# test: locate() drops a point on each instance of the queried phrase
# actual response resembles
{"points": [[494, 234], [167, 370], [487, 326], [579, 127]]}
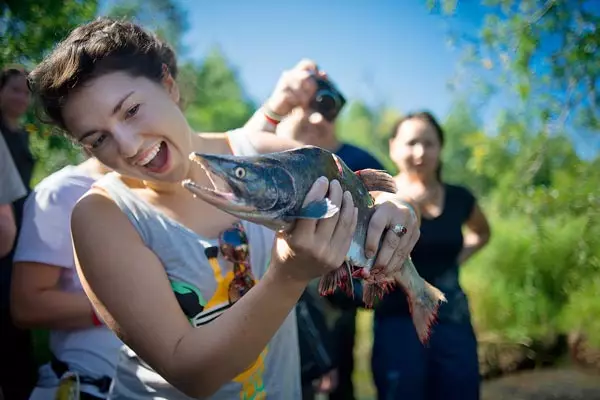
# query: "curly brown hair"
{"points": [[99, 47]]}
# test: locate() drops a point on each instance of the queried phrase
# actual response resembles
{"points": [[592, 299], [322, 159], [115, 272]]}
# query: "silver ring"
{"points": [[399, 229]]}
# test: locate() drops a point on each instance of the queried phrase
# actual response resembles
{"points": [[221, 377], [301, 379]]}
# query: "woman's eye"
{"points": [[132, 111], [98, 141]]}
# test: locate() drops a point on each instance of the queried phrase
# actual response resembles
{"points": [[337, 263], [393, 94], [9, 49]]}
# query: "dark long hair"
{"points": [[430, 119]]}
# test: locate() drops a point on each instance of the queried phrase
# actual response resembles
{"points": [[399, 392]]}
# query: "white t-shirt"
{"points": [[45, 237]]}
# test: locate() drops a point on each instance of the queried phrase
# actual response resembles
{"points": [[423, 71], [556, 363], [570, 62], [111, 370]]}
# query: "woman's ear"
{"points": [[170, 84]]}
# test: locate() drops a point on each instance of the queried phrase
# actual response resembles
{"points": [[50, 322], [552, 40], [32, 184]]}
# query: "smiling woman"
{"points": [[203, 302]]}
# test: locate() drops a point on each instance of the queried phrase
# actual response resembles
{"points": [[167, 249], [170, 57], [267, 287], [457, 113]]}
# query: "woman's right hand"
{"points": [[295, 88], [315, 247]]}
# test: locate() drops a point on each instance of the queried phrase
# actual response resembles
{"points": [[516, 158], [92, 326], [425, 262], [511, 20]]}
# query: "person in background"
{"points": [[14, 103], [202, 301], [11, 189], [292, 114], [447, 368], [46, 291], [17, 363]]}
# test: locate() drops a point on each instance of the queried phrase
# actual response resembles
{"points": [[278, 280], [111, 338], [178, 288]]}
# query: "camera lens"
{"points": [[326, 100], [327, 103]]}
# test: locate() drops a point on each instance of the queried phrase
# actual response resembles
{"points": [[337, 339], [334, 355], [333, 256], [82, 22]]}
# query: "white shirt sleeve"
{"points": [[45, 235], [240, 143]]}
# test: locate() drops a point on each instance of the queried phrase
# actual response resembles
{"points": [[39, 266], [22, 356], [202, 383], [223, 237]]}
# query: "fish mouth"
{"points": [[221, 194]]}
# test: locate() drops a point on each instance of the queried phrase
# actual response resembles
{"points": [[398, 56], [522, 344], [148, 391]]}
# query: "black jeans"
{"points": [[18, 371], [446, 368], [344, 333]]}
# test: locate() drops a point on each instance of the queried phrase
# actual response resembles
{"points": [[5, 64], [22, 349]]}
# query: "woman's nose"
{"points": [[128, 141], [418, 151]]}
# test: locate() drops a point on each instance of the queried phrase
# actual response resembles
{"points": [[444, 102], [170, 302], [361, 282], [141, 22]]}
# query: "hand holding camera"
{"points": [[307, 87]]}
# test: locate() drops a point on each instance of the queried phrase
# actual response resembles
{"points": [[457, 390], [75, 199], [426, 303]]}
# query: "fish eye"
{"points": [[240, 172]]}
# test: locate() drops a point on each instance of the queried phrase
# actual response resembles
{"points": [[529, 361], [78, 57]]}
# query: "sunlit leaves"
{"points": [[544, 199], [165, 17], [213, 94]]}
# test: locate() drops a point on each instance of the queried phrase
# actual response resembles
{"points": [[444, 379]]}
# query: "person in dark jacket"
{"points": [[289, 113]]}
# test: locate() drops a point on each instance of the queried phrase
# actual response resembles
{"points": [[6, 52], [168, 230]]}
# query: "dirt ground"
{"points": [[548, 384], [563, 383]]}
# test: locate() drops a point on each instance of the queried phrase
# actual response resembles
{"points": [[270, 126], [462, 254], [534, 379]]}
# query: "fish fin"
{"points": [[424, 299], [339, 277], [319, 209], [373, 291], [377, 180]]}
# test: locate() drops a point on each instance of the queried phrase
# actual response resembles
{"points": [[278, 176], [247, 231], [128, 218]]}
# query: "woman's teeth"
{"points": [[144, 161]]}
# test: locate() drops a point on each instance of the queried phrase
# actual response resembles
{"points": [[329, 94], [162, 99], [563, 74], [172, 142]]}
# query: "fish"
{"points": [[269, 189]]}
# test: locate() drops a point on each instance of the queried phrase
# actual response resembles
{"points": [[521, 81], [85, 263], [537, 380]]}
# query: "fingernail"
{"points": [[369, 253], [322, 179]]}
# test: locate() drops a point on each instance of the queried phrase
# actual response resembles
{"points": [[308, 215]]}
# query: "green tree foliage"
{"points": [[540, 271], [30, 28], [369, 128], [165, 17], [215, 100]]}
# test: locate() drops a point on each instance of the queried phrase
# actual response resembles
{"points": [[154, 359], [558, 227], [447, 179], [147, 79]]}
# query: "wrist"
{"points": [[271, 116], [278, 109], [279, 273]]}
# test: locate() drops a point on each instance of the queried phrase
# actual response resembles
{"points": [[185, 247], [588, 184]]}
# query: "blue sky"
{"points": [[392, 51]]}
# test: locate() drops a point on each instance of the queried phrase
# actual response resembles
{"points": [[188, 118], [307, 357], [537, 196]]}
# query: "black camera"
{"points": [[328, 101]]}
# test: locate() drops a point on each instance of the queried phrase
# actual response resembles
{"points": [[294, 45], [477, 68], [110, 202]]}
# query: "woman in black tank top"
{"points": [[447, 367]]}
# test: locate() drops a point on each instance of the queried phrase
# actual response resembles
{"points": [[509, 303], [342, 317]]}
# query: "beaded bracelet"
{"points": [[271, 116]]}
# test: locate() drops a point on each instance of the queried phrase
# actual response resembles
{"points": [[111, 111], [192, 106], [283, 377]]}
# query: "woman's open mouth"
{"points": [[158, 159]]}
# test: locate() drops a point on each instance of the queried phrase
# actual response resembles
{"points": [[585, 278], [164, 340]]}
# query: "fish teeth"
{"points": [[144, 161]]}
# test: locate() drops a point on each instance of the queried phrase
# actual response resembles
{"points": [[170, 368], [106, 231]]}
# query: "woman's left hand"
{"points": [[396, 246]]}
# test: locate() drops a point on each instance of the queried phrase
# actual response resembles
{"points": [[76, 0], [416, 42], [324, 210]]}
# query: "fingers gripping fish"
{"points": [[269, 190]]}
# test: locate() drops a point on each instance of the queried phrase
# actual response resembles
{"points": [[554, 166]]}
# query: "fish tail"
{"points": [[376, 180], [424, 299], [339, 277]]}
